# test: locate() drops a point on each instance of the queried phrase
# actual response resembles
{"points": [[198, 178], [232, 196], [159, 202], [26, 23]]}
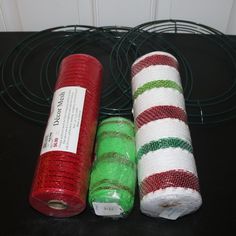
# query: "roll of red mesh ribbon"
{"points": [[61, 178]]}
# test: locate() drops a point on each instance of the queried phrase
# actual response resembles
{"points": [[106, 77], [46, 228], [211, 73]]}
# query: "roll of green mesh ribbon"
{"points": [[113, 177]]}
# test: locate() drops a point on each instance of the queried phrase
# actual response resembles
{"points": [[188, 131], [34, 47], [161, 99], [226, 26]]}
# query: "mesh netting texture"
{"points": [[168, 180], [61, 177]]}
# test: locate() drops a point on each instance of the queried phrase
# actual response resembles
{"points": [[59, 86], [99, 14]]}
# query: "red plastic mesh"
{"points": [[172, 178], [154, 60], [160, 112], [63, 176]]}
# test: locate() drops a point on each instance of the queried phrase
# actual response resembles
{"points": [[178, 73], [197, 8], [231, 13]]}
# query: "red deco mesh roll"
{"points": [[172, 178], [160, 112], [154, 60], [61, 178]]}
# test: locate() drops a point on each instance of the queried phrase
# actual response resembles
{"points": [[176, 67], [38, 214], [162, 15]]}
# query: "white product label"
{"points": [[62, 132], [172, 213], [107, 209]]}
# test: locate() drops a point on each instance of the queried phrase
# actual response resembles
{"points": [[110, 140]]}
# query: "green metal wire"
{"points": [[121, 45], [34, 106], [152, 36]]}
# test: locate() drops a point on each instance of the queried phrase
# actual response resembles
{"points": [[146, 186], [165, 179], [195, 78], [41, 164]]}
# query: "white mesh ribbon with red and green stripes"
{"points": [[167, 174]]}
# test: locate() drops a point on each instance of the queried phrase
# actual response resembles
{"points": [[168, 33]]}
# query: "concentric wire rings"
{"points": [[29, 71], [154, 36]]}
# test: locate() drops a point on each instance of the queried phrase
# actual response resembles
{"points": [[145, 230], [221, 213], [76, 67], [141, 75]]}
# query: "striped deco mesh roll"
{"points": [[167, 174], [61, 178], [113, 178]]}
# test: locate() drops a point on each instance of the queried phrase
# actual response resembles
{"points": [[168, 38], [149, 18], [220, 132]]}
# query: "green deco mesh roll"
{"points": [[113, 177]]}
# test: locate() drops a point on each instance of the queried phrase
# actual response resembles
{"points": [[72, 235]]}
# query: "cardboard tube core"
{"points": [[57, 204]]}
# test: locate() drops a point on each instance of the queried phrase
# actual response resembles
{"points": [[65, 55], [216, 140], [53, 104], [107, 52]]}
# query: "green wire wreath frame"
{"points": [[120, 46]]}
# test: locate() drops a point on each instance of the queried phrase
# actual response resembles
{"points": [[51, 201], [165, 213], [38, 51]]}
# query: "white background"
{"points": [[33, 15]]}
